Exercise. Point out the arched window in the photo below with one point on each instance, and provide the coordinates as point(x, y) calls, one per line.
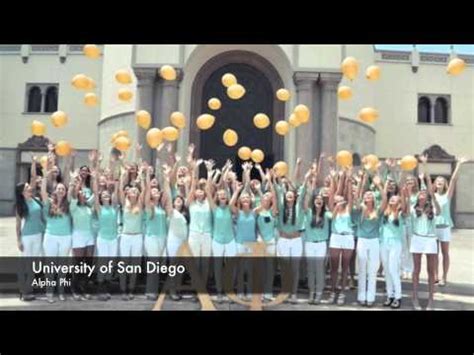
point(441, 110)
point(34, 99)
point(424, 110)
point(51, 99)
point(356, 159)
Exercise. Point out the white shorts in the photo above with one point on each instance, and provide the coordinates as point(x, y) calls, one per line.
point(443, 234)
point(423, 245)
point(107, 247)
point(82, 239)
point(220, 250)
point(340, 241)
point(315, 250)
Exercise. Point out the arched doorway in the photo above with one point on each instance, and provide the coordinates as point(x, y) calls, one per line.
point(261, 81)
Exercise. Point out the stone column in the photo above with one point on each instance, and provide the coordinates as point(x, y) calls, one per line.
point(306, 135)
point(145, 84)
point(167, 101)
point(328, 83)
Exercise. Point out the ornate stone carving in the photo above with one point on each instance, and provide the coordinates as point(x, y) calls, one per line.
point(35, 142)
point(435, 152)
point(44, 47)
point(145, 76)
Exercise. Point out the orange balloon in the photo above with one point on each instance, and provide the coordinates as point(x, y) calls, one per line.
point(350, 68)
point(205, 121)
point(143, 119)
point(230, 138)
point(282, 127)
point(123, 76)
point(281, 168)
point(154, 137)
point(344, 158)
point(170, 134)
point(90, 99)
point(125, 94)
point(63, 148)
point(261, 120)
point(257, 156)
point(44, 161)
point(229, 80)
point(91, 51)
point(368, 115)
point(214, 104)
point(178, 120)
point(80, 81)
point(167, 72)
point(38, 128)
point(302, 113)
point(344, 93)
point(408, 162)
point(283, 95)
point(373, 73)
point(293, 121)
point(59, 119)
point(244, 153)
point(123, 143)
point(370, 161)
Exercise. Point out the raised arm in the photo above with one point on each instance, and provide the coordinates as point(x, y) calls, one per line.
point(384, 203)
point(95, 190)
point(233, 201)
point(209, 165)
point(454, 177)
point(297, 173)
point(167, 192)
point(194, 169)
point(147, 188)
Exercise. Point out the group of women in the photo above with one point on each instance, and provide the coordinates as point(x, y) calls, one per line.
point(325, 217)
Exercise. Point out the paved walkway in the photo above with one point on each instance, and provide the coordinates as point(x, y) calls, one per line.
point(457, 295)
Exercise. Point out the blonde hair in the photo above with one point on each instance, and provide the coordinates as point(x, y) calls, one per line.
point(134, 209)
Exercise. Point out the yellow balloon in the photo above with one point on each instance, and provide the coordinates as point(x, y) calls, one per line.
point(114, 137)
point(344, 93)
point(344, 158)
point(230, 137)
point(143, 119)
point(280, 168)
point(283, 95)
point(456, 66)
point(293, 121)
point(125, 94)
point(38, 128)
point(236, 91)
point(154, 137)
point(91, 84)
point(170, 133)
point(123, 76)
point(167, 72)
point(81, 81)
point(59, 119)
point(370, 161)
point(373, 73)
point(122, 143)
point(282, 127)
point(90, 99)
point(368, 115)
point(214, 104)
point(91, 51)
point(205, 121)
point(44, 161)
point(244, 153)
point(178, 119)
point(257, 156)
point(117, 135)
point(408, 162)
point(63, 148)
point(302, 113)
point(229, 80)
point(261, 120)
point(350, 68)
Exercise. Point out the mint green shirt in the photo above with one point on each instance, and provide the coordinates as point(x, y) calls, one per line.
point(444, 218)
point(34, 223)
point(108, 222)
point(342, 224)
point(223, 229)
point(81, 217)
point(57, 225)
point(299, 218)
point(422, 226)
point(266, 225)
point(156, 226)
point(201, 217)
point(368, 228)
point(391, 233)
point(132, 222)
point(315, 235)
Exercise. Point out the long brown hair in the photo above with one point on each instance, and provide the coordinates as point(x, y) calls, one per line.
point(57, 209)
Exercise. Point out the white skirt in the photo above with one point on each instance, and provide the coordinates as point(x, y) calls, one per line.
point(82, 239)
point(340, 241)
point(423, 245)
point(443, 234)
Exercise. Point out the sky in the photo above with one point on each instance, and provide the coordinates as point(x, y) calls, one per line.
point(430, 48)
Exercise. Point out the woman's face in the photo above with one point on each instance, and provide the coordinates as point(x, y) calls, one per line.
point(327, 181)
point(222, 197)
point(84, 172)
point(199, 194)
point(38, 180)
point(410, 182)
point(391, 186)
point(440, 183)
point(132, 194)
point(60, 190)
point(105, 196)
point(290, 197)
point(178, 203)
point(55, 171)
point(318, 201)
point(369, 199)
point(133, 169)
point(155, 194)
point(339, 202)
point(102, 182)
point(394, 201)
point(180, 181)
point(154, 183)
point(28, 192)
point(267, 200)
point(245, 200)
point(422, 197)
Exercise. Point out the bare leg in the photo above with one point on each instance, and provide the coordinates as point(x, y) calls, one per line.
point(346, 260)
point(334, 259)
point(436, 264)
point(445, 253)
point(431, 262)
point(416, 278)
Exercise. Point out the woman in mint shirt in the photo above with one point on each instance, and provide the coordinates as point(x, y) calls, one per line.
point(315, 238)
point(83, 242)
point(57, 238)
point(392, 234)
point(131, 239)
point(223, 236)
point(106, 209)
point(29, 232)
point(290, 227)
point(156, 230)
point(423, 218)
point(267, 218)
point(411, 184)
point(444, 223)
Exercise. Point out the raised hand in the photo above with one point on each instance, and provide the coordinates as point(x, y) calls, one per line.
point(160, 147)
point(376, 179)
point(298, 161)
point(462, 160)
point(191, 148)
point(423, 158)
point(169, 148)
